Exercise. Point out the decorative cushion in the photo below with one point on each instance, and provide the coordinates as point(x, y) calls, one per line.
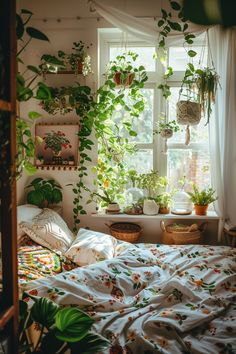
point(90, 247)
point(49, 230)
point(26, 213)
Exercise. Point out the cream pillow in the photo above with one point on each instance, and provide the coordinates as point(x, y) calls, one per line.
point(26, 213)
point(90, 247)
point(49, 230)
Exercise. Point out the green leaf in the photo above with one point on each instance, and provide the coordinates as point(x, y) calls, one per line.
point(26, 12)
point(192, 53)
point(72, 324)
point(30, 168)
point(132, 133)
point(50, 344)
point(43, 92)
point(175, 26)
point(19, 27)
point(36, 34)
point(56, 196)
point(44, 311)
point(34, 115)
point(160, 23)
point(90, 344)
point(175, 6)
point(35, 197)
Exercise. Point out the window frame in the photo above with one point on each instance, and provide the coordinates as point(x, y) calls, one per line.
point(108, 37)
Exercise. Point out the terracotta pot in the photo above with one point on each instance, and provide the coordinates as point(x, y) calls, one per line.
point(188, 113)
point(200, 209)
point(80, 67)
point(127, 80)
point(164, 210)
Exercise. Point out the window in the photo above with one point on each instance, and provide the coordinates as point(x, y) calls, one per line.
point(180, 160)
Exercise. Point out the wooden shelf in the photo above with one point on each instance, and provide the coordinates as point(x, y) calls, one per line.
point(211, 215)
point(57, 167)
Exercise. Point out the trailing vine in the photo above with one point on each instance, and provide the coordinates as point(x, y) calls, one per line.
point(112, 139)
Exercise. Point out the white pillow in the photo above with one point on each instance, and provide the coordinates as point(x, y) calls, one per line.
point(26, 213)
point(90, 247)
point(49, 230)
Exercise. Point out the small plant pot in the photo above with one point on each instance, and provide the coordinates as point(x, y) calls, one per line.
point(79, 67)
point(150, 207)
point(125, 79)
point(71, 162)
point(113, 208)
point(164, 210)
point(188, 113)
point(200, 209)
point(166, 133)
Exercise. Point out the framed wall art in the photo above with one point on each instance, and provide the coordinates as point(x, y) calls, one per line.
point(56, 144)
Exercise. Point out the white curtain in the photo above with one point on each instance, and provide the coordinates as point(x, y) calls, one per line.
point(146, 30)
point(222, 128)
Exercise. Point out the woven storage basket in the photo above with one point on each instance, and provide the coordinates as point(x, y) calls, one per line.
point(182, 235)
point(188, 113)
point(125, 231)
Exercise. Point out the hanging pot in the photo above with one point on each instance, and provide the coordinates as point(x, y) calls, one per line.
point(188, 113)
point(166, 133)
point(123, 78)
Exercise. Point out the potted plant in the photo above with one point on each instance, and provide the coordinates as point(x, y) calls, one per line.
point(134, 209)
point(60, 329)
point(123, 71)
point(44, 193)
point(78, 60)
point(201, 199)
point(152, 183)
point(56, 141)
point(134, 193)
point(207, 81)
point(108, 201)
point(166, 129)
point(164, 200)
point(64, 100)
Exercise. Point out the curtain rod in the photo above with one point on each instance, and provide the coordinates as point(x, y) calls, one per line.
point(78, 18)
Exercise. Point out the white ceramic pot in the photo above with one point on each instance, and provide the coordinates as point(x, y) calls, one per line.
point(113, 207)
point(150, 207)
point(188, 113)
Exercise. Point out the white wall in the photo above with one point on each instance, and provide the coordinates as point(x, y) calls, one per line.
point(58, 19)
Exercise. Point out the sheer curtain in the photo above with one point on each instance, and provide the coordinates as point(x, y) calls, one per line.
point(222, 128)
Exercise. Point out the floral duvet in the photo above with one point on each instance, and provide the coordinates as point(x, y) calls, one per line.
point(155, 298)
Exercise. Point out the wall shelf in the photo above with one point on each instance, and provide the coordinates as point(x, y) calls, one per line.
point(57, 167)
point(210, 216)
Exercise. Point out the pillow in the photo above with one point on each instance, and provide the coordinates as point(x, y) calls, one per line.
point(49, 230)
point(26, 213)
point(90, 247)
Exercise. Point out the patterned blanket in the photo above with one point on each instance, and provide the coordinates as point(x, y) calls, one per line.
point(155, 298)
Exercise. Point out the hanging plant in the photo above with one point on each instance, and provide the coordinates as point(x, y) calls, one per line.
point(123, 70)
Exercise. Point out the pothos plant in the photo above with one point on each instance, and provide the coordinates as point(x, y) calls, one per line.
point(113, 145)
point(166, 26)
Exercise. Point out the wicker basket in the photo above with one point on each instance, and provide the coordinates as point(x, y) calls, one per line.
point(125, 231)
point(182, 235)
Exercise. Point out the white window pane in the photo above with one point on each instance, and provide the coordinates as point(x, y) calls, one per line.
point(199, 133)
point(194, 164)
point(143, 125)
point(142, 161)
point(178, 57)
point(145, 55)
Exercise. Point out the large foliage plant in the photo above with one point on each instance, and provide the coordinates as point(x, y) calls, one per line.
point(60, 329)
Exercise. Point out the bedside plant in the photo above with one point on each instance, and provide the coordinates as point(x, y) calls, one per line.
point(44, 193)
point(201, 199)
point(60, 329)
point(165, 201)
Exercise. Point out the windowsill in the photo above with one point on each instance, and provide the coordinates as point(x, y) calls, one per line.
point(211, 215)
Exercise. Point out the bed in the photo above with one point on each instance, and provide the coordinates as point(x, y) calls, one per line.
point(154, 298)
